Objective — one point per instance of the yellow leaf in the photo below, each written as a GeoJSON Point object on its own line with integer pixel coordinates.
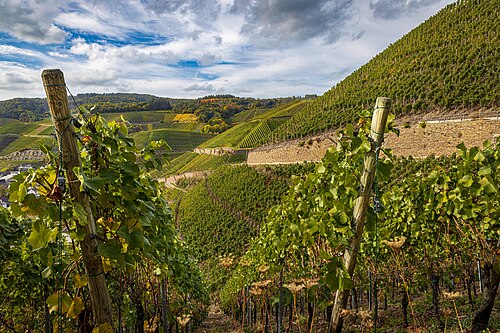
{"type": "Point", "coordinates": [103, 328]}
{"type": "Point", "coordinates": [80, 281]}
{"type": "Point", "coordinates": [106, 265]}
{"type": "Point", "coordinates": [75, 256]}
{"type": "Point", "coordinates": [76, 307]}
{"type": "Point", "coordinates": [59, 301]}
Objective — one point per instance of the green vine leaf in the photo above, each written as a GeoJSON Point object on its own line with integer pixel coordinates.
{"type": "Point", "coordinates": [111, 249]}
{"type": "Point", "coordinates": [40, 236]}
{"type": "Point", "coordinates": [80, 214]}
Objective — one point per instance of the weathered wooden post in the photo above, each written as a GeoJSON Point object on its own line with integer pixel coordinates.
{"type": "Point", "coordinates": [164, 309]}
{"type": "Point", "coordinates": [379, 121]}
{"type": "Point", "coordinates": [279, 329]}
{"type": "Point", "coordinates": [57, 98]}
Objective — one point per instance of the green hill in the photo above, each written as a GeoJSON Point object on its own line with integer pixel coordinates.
{"type": "Point", "coordinates": [178, 140]}
{"type": "Point", "coordinates": [256, 126]}
{"type": "Point", "coordinates": [232, 137]}
{"type": "Point", "coordinates": [240, 196]}
{"type": "Point", "coordinates": [220, 215]}
{"type": "Point", "coordinates": [16, 127]}
{"type": "Point", "coordinates": [141, 116]}
{"type": "Point", "coordinates": [448, 63]}
{"type": "Point", "coordinates": [31, 109]}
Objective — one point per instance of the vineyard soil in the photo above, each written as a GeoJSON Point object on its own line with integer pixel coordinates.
{"type": "Point", "coordinates": [218, 322]}
{"type": "Point", "coordinates": [436, 138]}
{"type": "Point", "coordinates": [390, 319]}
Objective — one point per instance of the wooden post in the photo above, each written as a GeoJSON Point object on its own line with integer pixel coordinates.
{"type": "Point", "coordinates": [164, 305]}
{"type": "Point", "coordinates": [379, 120]}
{"type": "Point", "coordinates": [279, 329]}
{"type": "Point", "coordinates": [57, 98]}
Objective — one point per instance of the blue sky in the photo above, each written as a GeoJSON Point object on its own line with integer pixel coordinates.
{"type": "Point", "coordinates": [192, 48]}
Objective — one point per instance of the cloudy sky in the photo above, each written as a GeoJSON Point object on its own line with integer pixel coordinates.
{"type": "Point", "coordinates": [192, 48]}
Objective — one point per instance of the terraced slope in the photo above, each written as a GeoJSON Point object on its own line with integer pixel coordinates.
{"type": "Point", "coordinates": [178, 140]}
{"type": "Point", "coordinates": [257, 128]}
{"type": "Point", "coordinates": [450, 62]}
{"type": "Point", "coordinates": [141, 116]}
{"type": "Point", "coordinates": [232, 137]}
{"type": "Point", "coordinates": [203, 162]}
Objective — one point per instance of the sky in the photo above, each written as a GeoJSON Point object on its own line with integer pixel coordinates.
{"type": "Point", "coordinates": [194, 48]}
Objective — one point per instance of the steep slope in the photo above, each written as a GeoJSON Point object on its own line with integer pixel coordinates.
{"type": "Point", "coordinates": [448, 63]}
{"type": "Point", "coordinates": [436, 138]}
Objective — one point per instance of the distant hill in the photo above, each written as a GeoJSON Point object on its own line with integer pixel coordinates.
{"type": "Point", "coordinates": [450, 62]}
{"type": "Point", "coordinates": [33, 109]}
{"type": "Point", "coordinates": [24, 109]}
{"type": "Point", "coordinates": [218, 106]}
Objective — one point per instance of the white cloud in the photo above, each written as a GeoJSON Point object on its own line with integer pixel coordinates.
{"type": "Point", "coordinates": [31, 20]}
{"type": "Point", "coordinates": [215, 36]}
{"type": "Point", "coordinates": [11, 50]}
{"type": "Point", "coordinates": [19, 79]}
{"type": "Point", "coordinates": [58, 55]}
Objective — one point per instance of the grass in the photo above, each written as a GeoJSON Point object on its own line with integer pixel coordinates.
{"type": "Point", "coordinates": [179, 162]}
{"type": "Point", "coordinates": [48, 131]}
{"type": "Point", "coordinates": [282, 111]}
{"type": "Point", "coordinates": [6, 140]}
{"type": "Point", "coordinates": [17, 127]}
{"type": "Point", "coordinates": [46, 121]}
{"type": "Point", "coordinates": [24, 142]}
{"type": "Point", "coordinates": [247, 115]}
{"type": "Point", "coordinates": [7, 121]}
{"type": "Point", "coordinates": [286, 110]}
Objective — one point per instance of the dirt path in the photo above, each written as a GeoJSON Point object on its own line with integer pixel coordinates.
{"type": "Point", "coordinates": [172, 180]}
{"type": "Point", "coordinates": [218, 322]}
{"type": "Point", "coordinates": [36, 132]}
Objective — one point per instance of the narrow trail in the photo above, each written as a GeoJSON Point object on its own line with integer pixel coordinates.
{"type": "Point", "coordinates": [36, 132]}
{"type": "Point", "coordinates": [218, 322]}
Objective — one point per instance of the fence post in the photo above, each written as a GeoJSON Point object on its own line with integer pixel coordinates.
{"type": "Point", "coordinates": [379, 120]}
{"type": "Point", "coordinates": [57, 98]}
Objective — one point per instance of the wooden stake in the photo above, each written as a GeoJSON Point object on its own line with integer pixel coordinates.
{"type": "Point", "coordinates": [57, 98]}
{"type": "Point", "coordinates": [164, 309]}
{"type": "Point", "coordinates": [379, 121]}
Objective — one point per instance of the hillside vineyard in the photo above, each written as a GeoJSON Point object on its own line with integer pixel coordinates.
{"type": "Point", "coordinates": [154, 199]}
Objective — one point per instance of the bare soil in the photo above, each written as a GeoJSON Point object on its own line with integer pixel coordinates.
{"type": "Point", "coordinates": [441, 138]}
{"type": "Point", "coordinates": [435, 137]}
{"type": "Point", "coordinates": [218, 322]}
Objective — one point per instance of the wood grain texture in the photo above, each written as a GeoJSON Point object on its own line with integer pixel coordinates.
{"type": "Point", "coordinates": [379, 121]}
{"type": "Point", "coordinates": [55, 89]}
